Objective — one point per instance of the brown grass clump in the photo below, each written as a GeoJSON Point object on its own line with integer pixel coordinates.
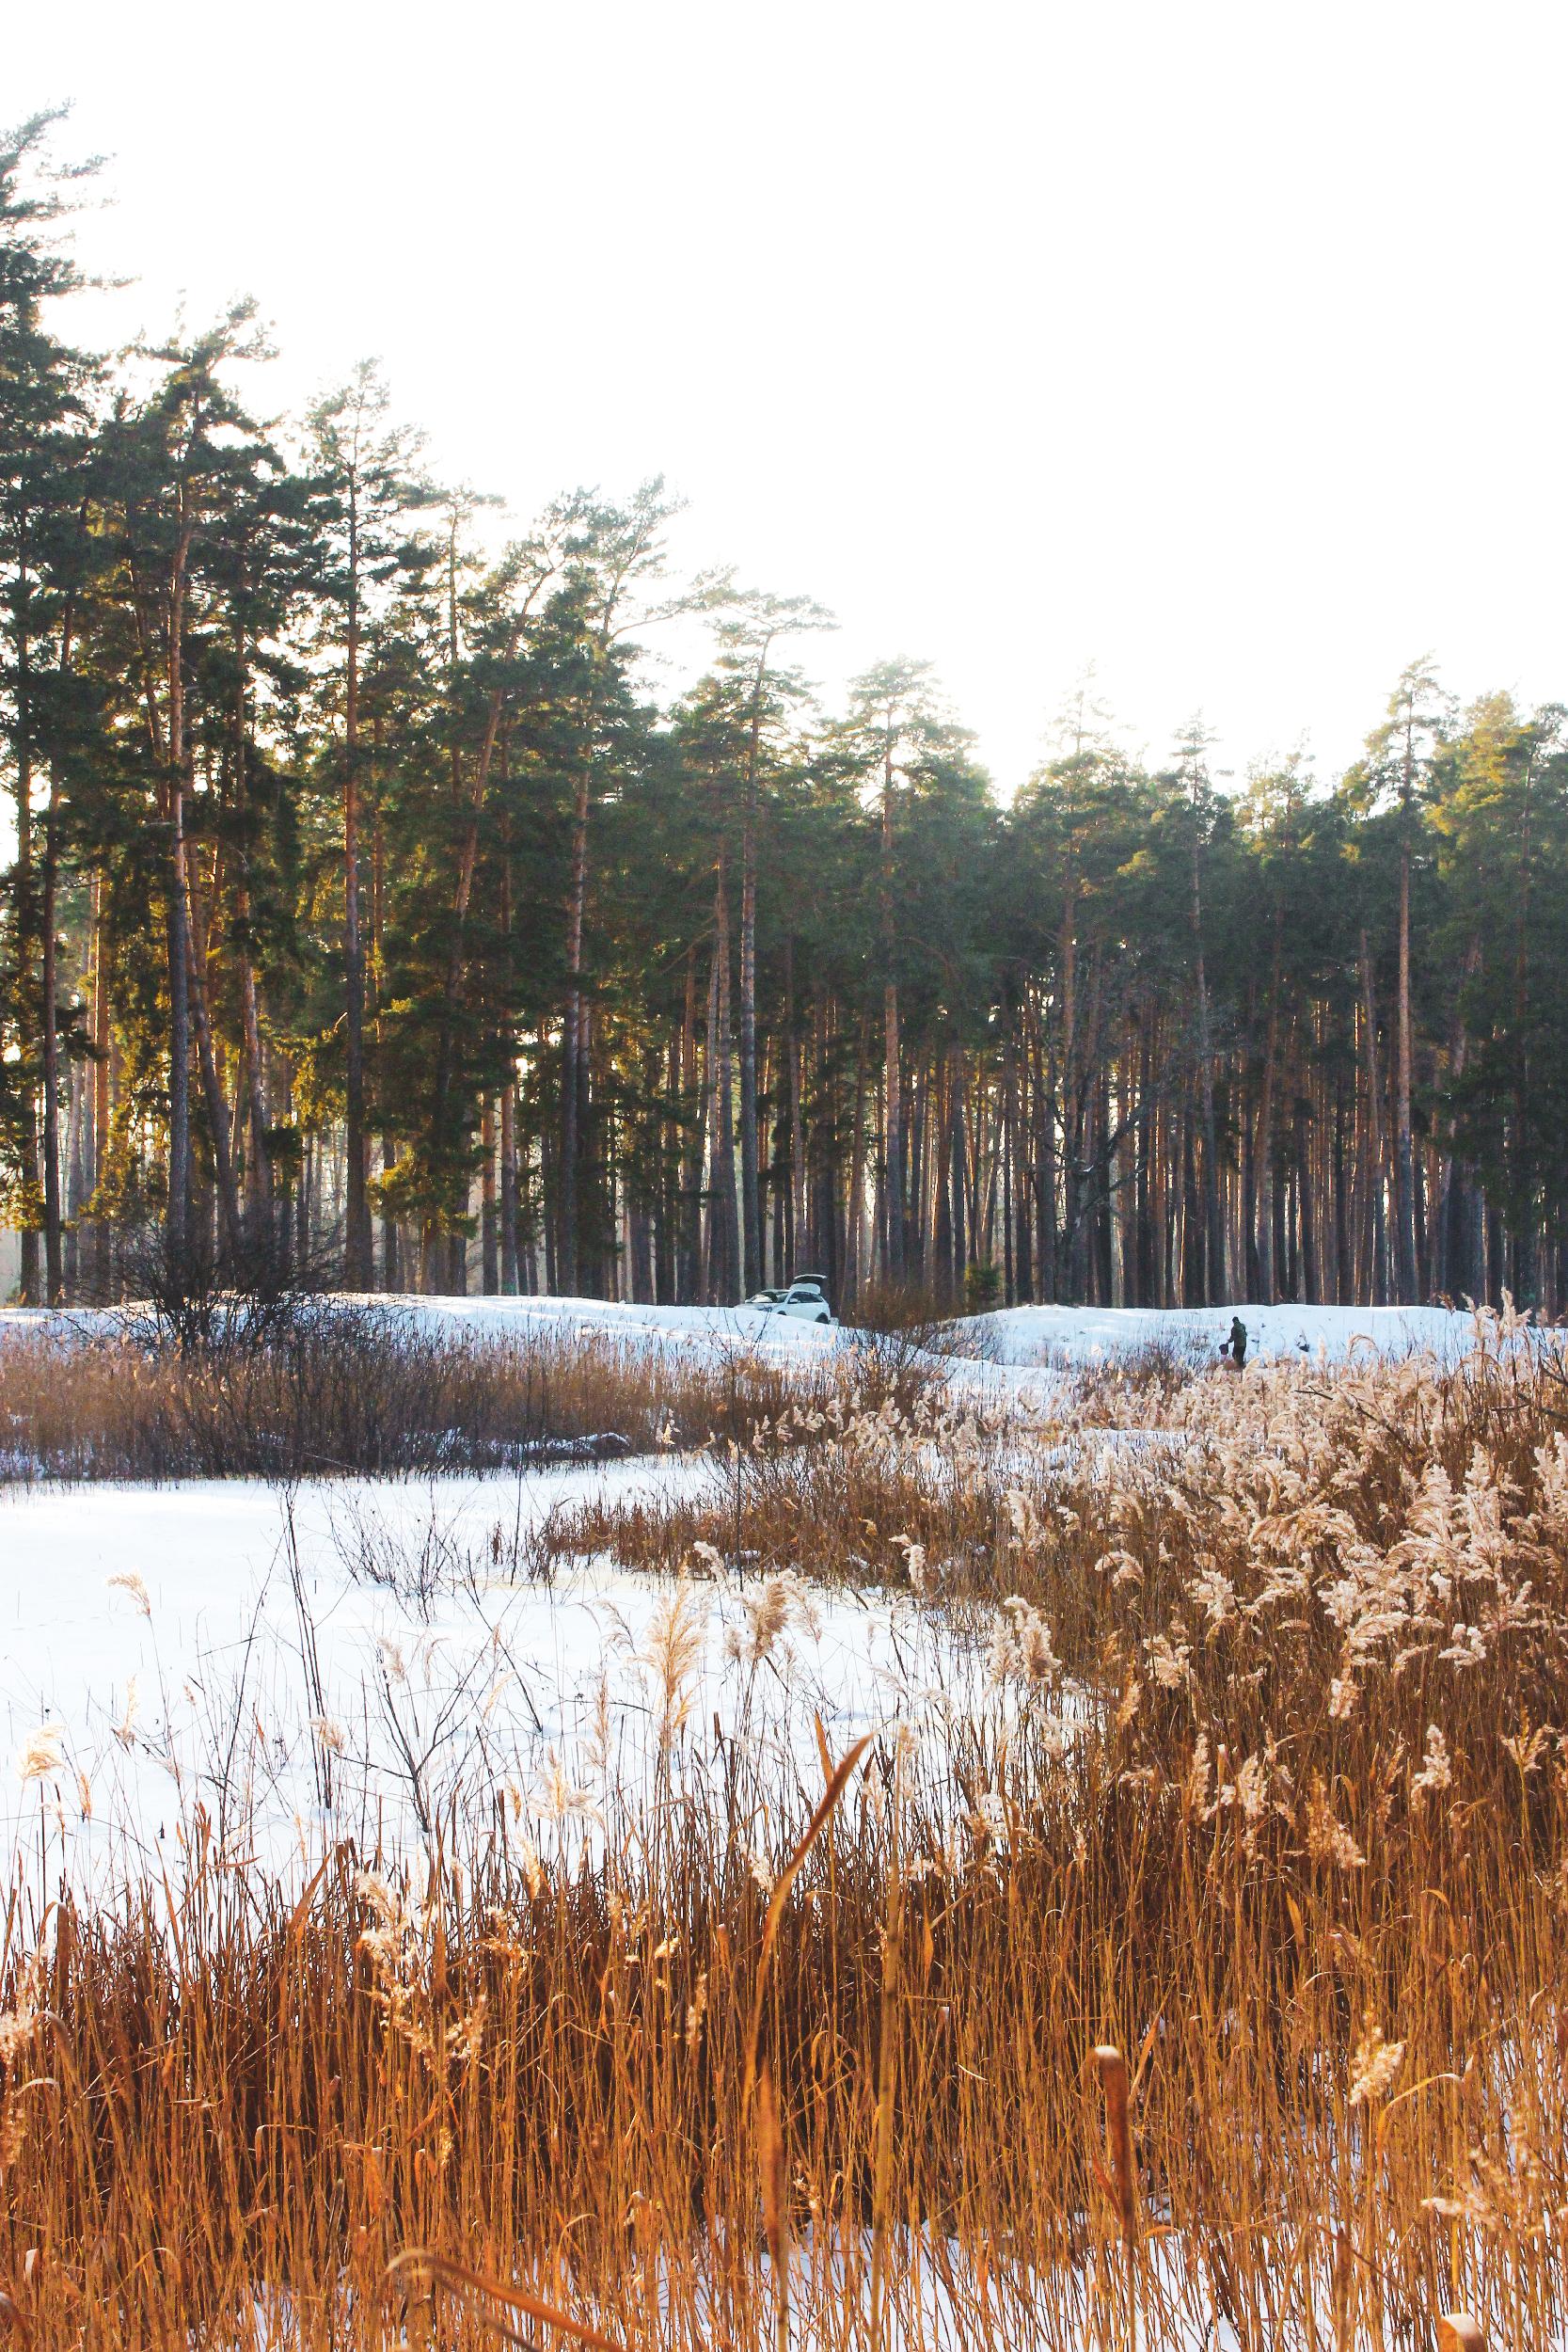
{"type": "Point", "coordinates": [1210, 1989]}
{"type": "Point", "coordinates": [861, 1482]}
{"type": "Point", "coordinates": [901, 1305]}
{"type": "Point", "coordinates": [1128, 1387]}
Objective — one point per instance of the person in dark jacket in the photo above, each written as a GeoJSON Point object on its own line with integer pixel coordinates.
{"type": "Point", "coordinates": [1235, 1346]}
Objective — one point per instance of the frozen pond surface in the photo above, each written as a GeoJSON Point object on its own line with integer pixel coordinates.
{"type": "Point", "coordinates": [165, 1665]}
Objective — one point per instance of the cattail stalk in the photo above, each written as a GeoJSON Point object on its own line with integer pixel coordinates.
{"type": "Point", "coordinates": [1114, 2084]}
{"type": "Point", "coordinates": [775, 2202]}
{"type": "Point", "coordinates": [1344, 2292]}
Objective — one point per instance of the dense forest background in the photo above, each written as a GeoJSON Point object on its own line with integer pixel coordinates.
{"type": "Point", "coordinates": [366, 913]}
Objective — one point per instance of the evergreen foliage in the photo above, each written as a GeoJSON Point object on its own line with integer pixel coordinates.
{"type": "Point", "coordinates": [361, 899]}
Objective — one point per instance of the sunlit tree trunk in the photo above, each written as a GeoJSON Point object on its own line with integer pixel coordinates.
{"type": "Point", "coordinates": [358, 1268]}
{"type": "Point", "coordinates": [1375, 1164]}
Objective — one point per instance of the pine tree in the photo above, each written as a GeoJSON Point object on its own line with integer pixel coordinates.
{"type": "Point", "coordinates": [1398, 766]}
{"type": "Point", "coordinates": [365, 470]}
{"type": "Point", "coordinates": [748, 636]}
{"type": "Point", "coordinates": [45, 458]}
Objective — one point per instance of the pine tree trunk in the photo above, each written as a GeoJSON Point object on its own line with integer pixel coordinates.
{"type": "Point", "coordinates": [1341, 1286]}
{"type": "Point", "coordinates": [75, 1190]}
{"type": "Point", "coordinates": [1405, 1185]}
{"type": "Point", "coordinates": [1453, 1273]}
{"type": "Point", "coordinates": [1193, 1275]}
{"type": "Point", "coordinates": [1265, 1172]}
{"type": "Point", "coordinates": [1016, 1252]}
{"type": "Point", "coordinates": [102, 1074]}
{"type": "Point", "coordinates": [391, 1275]}
{"type": "Point", "coordinates": [1047, 1251]}
{"type": "Point", "coordinates": [725, 1269]}
{"type": "Point", "coordinates": [751, 1197]}
{"type": "Point", "coordinates": [177, 1216]}
{"type": "Point", "coordinates": [571, 1035]}
{"type": "Point", "coordinates": [797, 1126]}
{"type": "Point", "coordinates": [1071, 1107]}
{"type": "Point", "coordinates": [488, 1224]}
{"type": "Point", "coordinates": [1215, 1282]}
{"type": "Point", "coordinates": [392, 1255]}
{"type": "Point", "coordinates": [893, 1160]}
{"type": "Point", "coordinates": [259, 1160]}
{"type": "Point", "coordinates": [666, 1236]}
{"type": "Point", "coordinates": [958, 1165]}
{"type": "Point", "coordinates": [714, 1219]}
{"type": "Point", "coordinates": [54, 1264]}
{"type": "Point", "coordinates": [1309, 1286]}
{"type": "Point", "coordinates": [1375, 1160]}
{"type": "Point", "coordinates": [693, 1102]}
{"type": "Point", "coordinates": [854, 1236]}
{"type": "Point", "coordinates": [441, 1139]}
{"type": "Point", "coordinates": [509, 1186]}
{"type": "Point", "coordinates": [212, 1084]}
{"type": "Point", "coordinates": [358, 1268]}
{"type": "Point", "coordinates": [31, 1281]}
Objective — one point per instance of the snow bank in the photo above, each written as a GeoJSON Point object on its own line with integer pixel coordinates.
{"type": "Point", "coordinates": [1018, 1336]}
{"type": "Point", "coordinates": [1072, 1336]}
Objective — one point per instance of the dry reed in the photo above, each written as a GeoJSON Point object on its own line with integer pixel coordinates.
{"type": "Point", "coordinates": [1278, 1802]}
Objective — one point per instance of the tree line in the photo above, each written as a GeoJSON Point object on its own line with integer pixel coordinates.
{"type": "Point", "coordinates": [366, 908]}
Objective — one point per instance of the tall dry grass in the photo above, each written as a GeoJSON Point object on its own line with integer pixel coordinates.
{"type": "Point", "coordinates": [877, 1467]}
{"type": "Point", "coordinates": [1210, 1989]}
{"type": "Point", "coordinates": [347, 1389]}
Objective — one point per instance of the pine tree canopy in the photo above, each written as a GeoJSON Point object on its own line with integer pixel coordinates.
{"type": "Point", "coordinates": [366, 911]}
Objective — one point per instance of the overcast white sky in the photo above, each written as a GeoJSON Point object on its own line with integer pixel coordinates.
{"type": "Point", "coordinates": [1221, 345]}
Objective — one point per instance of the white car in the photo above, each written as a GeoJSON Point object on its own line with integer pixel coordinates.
{"type": "Point", "coordinates": [805, 1297]}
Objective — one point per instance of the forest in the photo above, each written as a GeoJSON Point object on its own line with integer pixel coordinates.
{"type": "Point", "coordinates": [367, 910]}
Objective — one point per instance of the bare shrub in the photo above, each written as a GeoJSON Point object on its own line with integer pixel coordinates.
{"type": "Point", "coordinates": [247, 1291]}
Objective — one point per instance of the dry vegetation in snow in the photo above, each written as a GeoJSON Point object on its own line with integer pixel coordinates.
{"type": "Point", "coordinates": [1271, 1813]}
{"type": "Point", "coordinates": [340, 1388]}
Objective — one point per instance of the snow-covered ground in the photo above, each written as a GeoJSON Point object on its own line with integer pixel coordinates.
{"type": "Point", "coordinates": [1081, 1335]}
{"type": "Point", "coordinates": [161, 1662]}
